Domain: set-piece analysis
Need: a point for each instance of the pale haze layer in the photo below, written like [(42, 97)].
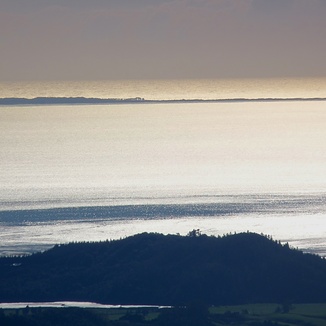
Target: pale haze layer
[(141, 39)]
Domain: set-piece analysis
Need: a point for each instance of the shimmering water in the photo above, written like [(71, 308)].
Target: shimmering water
[(171, 89), (220, 167)]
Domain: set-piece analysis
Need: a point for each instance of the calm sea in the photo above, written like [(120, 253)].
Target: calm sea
[(95, 172)]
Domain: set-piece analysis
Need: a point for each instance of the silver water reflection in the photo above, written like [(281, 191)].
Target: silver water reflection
[(298, 220), (183, 166), (53, 154)]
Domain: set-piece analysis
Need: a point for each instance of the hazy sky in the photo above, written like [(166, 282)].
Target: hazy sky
[(127, 39)]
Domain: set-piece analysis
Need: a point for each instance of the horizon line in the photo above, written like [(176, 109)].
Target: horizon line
[(96, 100)]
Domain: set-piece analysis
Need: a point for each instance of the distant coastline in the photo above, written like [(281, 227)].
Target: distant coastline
[(11, 101)]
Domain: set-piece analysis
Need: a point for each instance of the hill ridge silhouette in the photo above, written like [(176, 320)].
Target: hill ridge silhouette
[(151, 268)]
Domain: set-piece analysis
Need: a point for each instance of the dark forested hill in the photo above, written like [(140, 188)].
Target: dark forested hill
[(158, 269)]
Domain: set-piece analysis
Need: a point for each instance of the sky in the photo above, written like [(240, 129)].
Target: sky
[(158, 39)]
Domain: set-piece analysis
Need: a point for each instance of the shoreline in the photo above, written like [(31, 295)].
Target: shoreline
[(73, 304)]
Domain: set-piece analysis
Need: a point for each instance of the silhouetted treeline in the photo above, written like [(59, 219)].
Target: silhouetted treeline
[(167, 270)]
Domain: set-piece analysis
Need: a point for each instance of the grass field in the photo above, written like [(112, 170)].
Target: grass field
[(294, 314), (252, 314)]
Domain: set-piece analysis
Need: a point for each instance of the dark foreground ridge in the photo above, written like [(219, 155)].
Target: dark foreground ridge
[(87, 100), (167, 270)]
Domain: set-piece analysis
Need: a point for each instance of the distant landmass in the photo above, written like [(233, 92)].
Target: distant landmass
[(85, 100), (167, 270), (65, 100)]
